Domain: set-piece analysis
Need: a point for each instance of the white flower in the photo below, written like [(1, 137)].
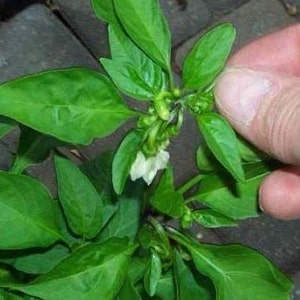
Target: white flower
[(148, 167)]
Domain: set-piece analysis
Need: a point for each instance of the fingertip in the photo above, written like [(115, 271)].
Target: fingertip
[(279, 194)]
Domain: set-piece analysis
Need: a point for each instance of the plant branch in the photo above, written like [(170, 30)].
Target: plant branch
[(189, 184)]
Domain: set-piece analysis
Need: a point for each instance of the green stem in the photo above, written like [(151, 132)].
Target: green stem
[(178, 237), (189, 184), (171, 79), (18, 166), (159, 229)]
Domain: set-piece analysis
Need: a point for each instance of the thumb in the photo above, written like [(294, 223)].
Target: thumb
[(264, 107)]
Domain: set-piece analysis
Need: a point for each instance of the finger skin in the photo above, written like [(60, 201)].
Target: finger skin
[(280, 193), (279, 53)]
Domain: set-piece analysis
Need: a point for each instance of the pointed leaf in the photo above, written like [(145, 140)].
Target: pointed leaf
[(205, 160), (104, 10), (221, 140), (94, 272), (33, 148), (211, 219), (208, 57), (73, 105), (166, 286), (239, 272), (27, 210), (232, 199), (152, 274), (147, 27), (124, 159), (99, 172), (165, 199), (8, 295), (136, 269), (187, 285), (126, 220), (128, 292), (133, 72), (41, 261), (82, 204), (248, 152)]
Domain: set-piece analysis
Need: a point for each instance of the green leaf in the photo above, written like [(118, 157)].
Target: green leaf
[(187, 285), (152, 273), (126, 220), (6, 277), (71, 239), (94, 272), (81, 202), (232, 199), (6, 125), (208, 57), (166, 286), (99, 172), (133, 72), (124, 159), (136, 269), (165, 199), (104, 10), (212, 219), (221, 140), (128, 292), (8, 295), (248, 152), (73, 105), (147, 27), (27, 209), (33, 148), (154, 237), (41, 261), (239, 272), (205, 160)]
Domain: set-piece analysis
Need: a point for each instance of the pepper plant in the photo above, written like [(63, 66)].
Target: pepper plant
[(110, 233)]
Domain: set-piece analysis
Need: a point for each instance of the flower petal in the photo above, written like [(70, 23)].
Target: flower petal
[(154, 164), (139, 167)]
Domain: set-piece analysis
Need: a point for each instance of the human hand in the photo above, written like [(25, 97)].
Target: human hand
[(259, 94)]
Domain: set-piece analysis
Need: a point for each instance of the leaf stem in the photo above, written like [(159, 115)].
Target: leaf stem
[(178, 237), (159, 229), (18, 166), (171, 79), (190, 183)]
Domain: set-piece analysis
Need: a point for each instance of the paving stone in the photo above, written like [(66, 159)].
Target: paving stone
[(224, 6), (296, 290), (81, 18), (185, 23), (5, 157), (36, 40), (11, 7), (251, 21)]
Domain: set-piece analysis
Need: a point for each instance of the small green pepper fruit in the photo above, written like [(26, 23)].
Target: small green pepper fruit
[(187, 219), (162, 105)]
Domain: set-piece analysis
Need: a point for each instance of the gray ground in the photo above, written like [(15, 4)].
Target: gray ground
[(39, 37)]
